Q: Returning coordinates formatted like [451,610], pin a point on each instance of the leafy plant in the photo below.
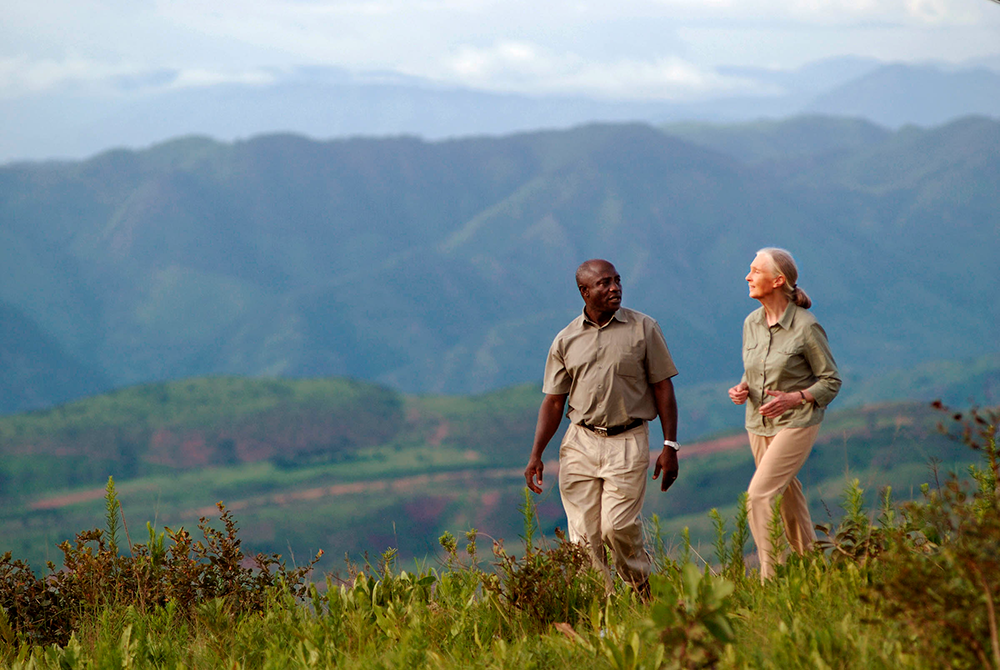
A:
[855,538]
[731,556]
[546,584]
[691,616]
[943,583]
[186,575]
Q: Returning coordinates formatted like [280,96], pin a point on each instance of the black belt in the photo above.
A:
[613,430]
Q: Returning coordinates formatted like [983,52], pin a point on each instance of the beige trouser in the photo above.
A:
[779,458]
[603,482]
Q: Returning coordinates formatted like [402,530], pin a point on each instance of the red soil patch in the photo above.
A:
[69,499]
[729,443]
[427,510]
[439,434]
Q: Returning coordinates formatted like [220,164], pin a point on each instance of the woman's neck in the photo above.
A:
[775,305]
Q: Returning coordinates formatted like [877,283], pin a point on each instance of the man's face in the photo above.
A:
[602,290]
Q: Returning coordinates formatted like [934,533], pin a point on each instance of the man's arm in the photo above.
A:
[549,417]
[666,409]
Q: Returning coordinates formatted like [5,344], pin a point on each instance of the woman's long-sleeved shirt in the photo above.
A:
[792,355]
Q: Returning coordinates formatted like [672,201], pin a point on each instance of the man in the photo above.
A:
[613,366]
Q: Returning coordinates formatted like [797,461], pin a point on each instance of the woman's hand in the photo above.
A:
[781,402]
[738,394]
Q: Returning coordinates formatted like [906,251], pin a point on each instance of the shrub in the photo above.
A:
[855,538]
[692,617]
[186,574]
[944,576]
[547,584]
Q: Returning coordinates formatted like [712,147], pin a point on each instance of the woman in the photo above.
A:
[789,378]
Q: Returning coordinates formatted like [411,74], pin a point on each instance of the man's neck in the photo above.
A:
[601,318]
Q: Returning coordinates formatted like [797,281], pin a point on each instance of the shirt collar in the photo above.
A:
[619,315]
[786,319]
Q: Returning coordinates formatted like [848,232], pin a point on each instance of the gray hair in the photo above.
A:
[782,264]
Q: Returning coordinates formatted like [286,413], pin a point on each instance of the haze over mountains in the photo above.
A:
[79,119]
[447,266]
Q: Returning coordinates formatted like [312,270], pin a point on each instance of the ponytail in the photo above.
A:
[800,298]
[784,265]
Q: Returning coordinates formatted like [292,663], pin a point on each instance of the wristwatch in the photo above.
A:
[673,445]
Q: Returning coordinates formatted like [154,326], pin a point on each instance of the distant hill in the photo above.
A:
[447,267]
[894,95]
[815,137]
[225,421]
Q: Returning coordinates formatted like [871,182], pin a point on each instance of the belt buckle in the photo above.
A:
[601,430]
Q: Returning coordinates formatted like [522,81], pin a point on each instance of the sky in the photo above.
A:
[627,49]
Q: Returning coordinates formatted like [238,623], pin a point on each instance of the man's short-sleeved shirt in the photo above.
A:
[606,371]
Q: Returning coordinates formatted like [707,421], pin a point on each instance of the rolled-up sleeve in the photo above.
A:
[659,363]
[824,368]
[557,380]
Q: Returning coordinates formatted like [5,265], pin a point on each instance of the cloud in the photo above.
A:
[524,67]
[200,77]
[828,12]
[20,75]
[512,60]
[666,49]
[663,79]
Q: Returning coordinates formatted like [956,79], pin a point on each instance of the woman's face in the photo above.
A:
[761,279]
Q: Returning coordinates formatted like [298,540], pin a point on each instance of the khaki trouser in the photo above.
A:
[603,482]
[779,458]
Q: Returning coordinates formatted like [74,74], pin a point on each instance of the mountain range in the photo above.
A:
[447,267]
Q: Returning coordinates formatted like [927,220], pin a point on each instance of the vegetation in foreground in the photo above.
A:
[911,586]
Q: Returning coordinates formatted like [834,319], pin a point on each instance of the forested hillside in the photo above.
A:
[447,266]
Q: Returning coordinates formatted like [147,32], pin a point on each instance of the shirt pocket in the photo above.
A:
[791,356]
[792,348]
[631,361]
[792,363]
